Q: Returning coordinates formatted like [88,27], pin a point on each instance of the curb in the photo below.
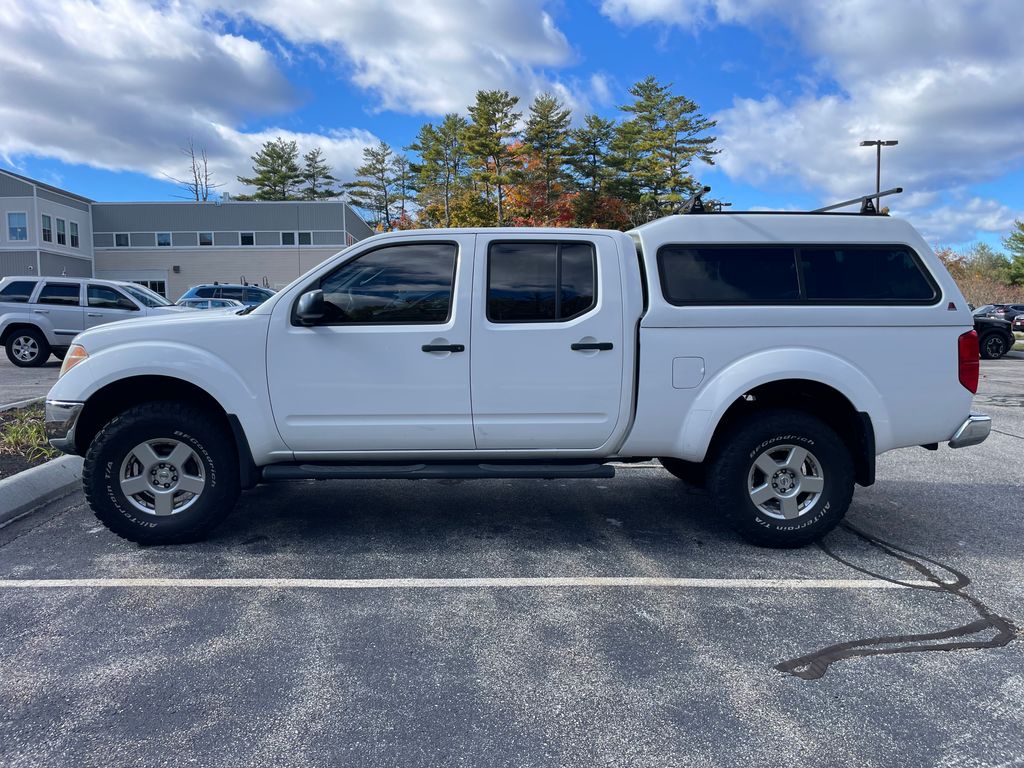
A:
[22,403]
[25,491]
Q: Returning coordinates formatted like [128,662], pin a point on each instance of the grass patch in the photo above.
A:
[23,433]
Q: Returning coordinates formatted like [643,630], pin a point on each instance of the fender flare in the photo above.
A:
[780,364]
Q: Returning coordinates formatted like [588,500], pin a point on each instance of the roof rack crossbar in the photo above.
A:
[867,206]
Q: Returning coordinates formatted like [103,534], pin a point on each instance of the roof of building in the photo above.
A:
[48,187]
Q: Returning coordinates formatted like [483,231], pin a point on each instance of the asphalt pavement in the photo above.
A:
[532,623]
[17,384]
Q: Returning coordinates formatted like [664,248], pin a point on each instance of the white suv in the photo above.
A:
[40,315]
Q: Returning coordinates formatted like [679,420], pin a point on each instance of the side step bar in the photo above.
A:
[438,471]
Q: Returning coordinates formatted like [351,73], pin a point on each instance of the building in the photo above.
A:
[167,246]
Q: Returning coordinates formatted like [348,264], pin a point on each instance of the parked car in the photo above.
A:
[210,303]
[775,354]
[250,295]
[1001,311]
[1018,323]
[41,315]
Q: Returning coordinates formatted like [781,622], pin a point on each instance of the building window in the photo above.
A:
[305,238]
[158,286]
[17,226]
[287,238]
[47,229]
[74,233]
[163,239]
[206,238]
[247,238]
[120,239]
[62,235]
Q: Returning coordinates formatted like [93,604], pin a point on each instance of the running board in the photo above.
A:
[444,470]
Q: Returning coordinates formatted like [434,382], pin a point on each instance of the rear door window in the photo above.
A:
[17,292]
[232,293]
[60,293]
[540,282]
[733,274]
[206,292]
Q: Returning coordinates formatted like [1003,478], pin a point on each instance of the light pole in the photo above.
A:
[878,144]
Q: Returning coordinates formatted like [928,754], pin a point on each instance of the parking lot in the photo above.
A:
[18,384]
[531,623]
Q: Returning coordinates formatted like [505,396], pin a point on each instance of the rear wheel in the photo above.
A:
[784,479]
[27,348]
[993,346]
[162,473]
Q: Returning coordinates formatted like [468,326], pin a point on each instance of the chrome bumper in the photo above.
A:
[61,419]
[973,431]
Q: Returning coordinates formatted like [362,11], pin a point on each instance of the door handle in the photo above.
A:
[93,314]
[603,346]
[41,311]
[443,347]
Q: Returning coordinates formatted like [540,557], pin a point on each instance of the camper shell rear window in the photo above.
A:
[829,274]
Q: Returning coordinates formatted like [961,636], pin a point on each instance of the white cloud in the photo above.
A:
[943,78]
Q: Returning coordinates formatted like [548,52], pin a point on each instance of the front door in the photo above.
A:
[61,302]
[387,369]
[547,343]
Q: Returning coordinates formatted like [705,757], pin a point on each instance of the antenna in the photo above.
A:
[867,207]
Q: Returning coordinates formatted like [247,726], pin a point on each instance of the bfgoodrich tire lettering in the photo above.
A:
[783,479]
[115,480]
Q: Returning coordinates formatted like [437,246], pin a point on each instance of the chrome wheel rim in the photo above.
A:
[786,482]
[25,348]
[162,477]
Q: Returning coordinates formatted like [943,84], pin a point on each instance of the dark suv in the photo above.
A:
[250,295]
[995,338]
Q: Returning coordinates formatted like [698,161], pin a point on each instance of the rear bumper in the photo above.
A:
[61,419]
[971,432]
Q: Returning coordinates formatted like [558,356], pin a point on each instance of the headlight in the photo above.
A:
[75,355]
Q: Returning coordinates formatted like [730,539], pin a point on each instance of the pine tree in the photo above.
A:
[276,172]
[654,148]
[546,133]
[373,189]
[588,155]
[442,153]
[492,128]
[404,182]
[1014,243]
[316,175]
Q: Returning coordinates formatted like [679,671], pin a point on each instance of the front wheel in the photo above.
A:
[162,473]
[784,479]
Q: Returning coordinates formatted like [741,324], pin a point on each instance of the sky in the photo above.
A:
[99,96]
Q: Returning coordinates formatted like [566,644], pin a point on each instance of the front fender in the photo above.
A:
[245,396]
[766,366]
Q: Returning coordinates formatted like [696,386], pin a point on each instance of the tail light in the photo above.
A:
[969,363]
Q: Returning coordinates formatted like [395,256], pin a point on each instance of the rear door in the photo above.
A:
[547,342]
[104,304]
[60,301]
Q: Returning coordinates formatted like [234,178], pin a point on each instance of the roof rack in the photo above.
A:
[866,204]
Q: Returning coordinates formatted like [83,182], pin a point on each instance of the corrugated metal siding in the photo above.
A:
[268,238]
[143,239]
[329,238]
[225,238]
[17,262]
[357,227]
[12,187]
[185,238]
[55,264]
[53,197]
[240,216]
[102,240]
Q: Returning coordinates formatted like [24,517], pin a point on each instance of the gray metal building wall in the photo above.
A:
[56,264]
[17,262]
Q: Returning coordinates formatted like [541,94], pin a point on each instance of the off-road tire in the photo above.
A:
[210,440]
[734,459]
[689,472]
[37,336]
[993,346]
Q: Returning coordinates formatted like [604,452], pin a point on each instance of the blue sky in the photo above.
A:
[102,106]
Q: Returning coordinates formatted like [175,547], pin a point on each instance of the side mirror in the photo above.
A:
[310,307]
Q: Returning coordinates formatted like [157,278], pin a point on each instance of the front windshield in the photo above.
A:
[146,296]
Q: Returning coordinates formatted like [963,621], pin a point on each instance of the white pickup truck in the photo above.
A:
[772,356]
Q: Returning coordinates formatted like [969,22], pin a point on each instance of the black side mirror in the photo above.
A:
[310,307]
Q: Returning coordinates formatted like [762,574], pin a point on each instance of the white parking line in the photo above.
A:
[541,582]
